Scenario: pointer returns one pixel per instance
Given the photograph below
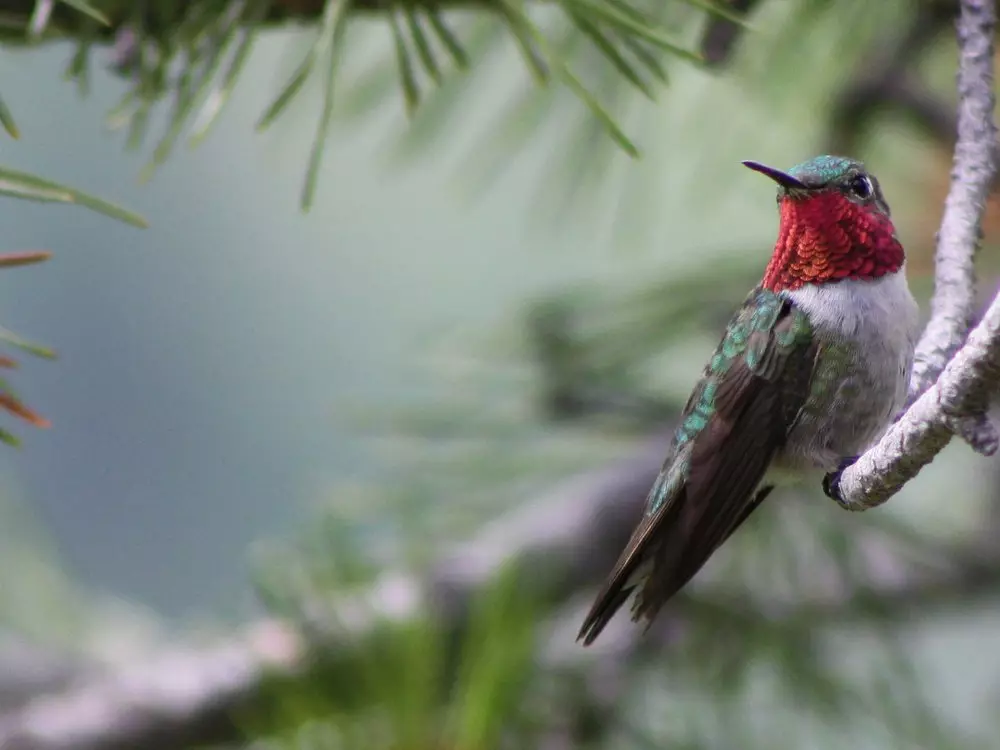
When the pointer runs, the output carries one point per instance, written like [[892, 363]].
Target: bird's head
[[834, 225]]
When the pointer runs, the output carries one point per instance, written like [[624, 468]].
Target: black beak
[[782, 178]]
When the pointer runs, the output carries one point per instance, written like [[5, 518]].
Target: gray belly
[[866, 331], [850, 405]]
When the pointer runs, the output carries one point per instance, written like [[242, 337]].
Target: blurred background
[[256, 408]]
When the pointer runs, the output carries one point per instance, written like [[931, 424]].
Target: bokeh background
[[482, 302]]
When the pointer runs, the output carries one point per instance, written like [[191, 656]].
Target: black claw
[[831, 482]]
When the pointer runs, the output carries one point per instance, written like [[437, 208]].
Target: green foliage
[[611, 56], [194, 53], [410, 684], [9, 400], [43, 9], [26, 186], [21, 185], [29, 187]]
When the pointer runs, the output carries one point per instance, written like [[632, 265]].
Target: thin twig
[[953, 304], [956, 404]]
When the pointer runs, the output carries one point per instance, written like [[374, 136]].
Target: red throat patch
[[826, 237]]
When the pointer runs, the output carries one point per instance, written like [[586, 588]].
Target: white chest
[[874, 326], [880, 315]]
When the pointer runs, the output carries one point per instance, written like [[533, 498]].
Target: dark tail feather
[[680, 553], [620, 584], [607, 604]]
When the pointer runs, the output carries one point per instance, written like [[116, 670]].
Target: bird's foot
[[831, 482]]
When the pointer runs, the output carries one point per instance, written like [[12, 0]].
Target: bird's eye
[[861, 186]]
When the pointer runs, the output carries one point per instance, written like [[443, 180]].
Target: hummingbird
[[810, 372]]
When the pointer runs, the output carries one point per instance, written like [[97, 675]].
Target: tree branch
[[956, 404], [28, 669], [953, 304], [158, 17]]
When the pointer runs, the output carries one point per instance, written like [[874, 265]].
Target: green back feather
[[742, 342]]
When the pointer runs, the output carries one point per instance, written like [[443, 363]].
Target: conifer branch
[[963, 376], [190, 54]]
